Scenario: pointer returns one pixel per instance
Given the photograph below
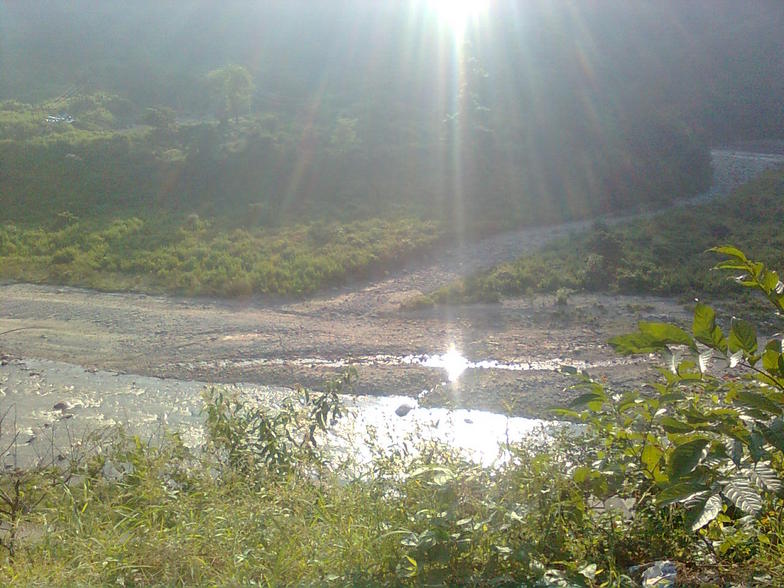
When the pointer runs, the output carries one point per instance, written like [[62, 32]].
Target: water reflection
[[65, 401], [452, 361], [478, 435]]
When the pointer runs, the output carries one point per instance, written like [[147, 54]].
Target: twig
[[21, 329]]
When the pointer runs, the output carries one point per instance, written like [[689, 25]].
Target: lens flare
[[456, 14], [453, 362]]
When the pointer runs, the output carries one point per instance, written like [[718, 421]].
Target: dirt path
[[306, 341]]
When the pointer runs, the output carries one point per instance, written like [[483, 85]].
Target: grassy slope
[[93, 205], [662, 255]]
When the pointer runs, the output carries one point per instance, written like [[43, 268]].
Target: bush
[[708, 449]]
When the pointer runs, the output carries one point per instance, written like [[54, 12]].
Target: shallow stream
[[52, 404]]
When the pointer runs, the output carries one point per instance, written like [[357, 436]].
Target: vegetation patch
[[665, 254], [192, 256]]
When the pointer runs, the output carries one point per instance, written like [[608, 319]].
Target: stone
[[403, 410], [661, 574]]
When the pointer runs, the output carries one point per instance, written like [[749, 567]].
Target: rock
[[112, 471], [623, 506], [661, 574], [64, 406], [403, 410]]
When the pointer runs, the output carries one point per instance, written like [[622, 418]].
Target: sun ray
[[456, 15]]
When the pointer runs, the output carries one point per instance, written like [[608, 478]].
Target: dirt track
[[283, 343]]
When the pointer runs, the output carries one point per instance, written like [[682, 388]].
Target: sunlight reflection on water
[[478, 435], [372, 425], [452, 361]]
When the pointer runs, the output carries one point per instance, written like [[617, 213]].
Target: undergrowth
[[662, 255], [188, 255]]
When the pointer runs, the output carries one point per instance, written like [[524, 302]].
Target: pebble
[[403, 410]]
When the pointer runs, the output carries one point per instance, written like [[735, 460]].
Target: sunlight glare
[[454, 363], [456, 14]]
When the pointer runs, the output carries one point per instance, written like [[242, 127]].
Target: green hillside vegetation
[[196, 258], [369, 116], [664, 254], [520, 125], [122, 199]]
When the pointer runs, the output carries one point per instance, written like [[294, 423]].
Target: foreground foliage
[[709, 438]]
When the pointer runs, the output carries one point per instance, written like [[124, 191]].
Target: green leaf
[[772, 358], [581, 474], [565, 413], [593, 400], [757, 445], [758, 402], [650, 457], [742, 494], [743, 335], [774, 433], [679, 492], [705, 329], [688, 370], [695, 416], [730, 251], [686, 457], [735, 450], [770, 281], [635, 343], [765, 477], [707, 511], [672, 425], [665, 333]]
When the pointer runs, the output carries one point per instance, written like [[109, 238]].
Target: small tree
[[231, 88]]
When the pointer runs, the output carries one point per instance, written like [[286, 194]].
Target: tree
[[232, 88]]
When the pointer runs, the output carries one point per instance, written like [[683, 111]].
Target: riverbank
[[217, 342]]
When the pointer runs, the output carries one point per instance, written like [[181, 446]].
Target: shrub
[[707, 448]]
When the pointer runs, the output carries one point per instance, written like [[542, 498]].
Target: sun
[[457, 14]]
